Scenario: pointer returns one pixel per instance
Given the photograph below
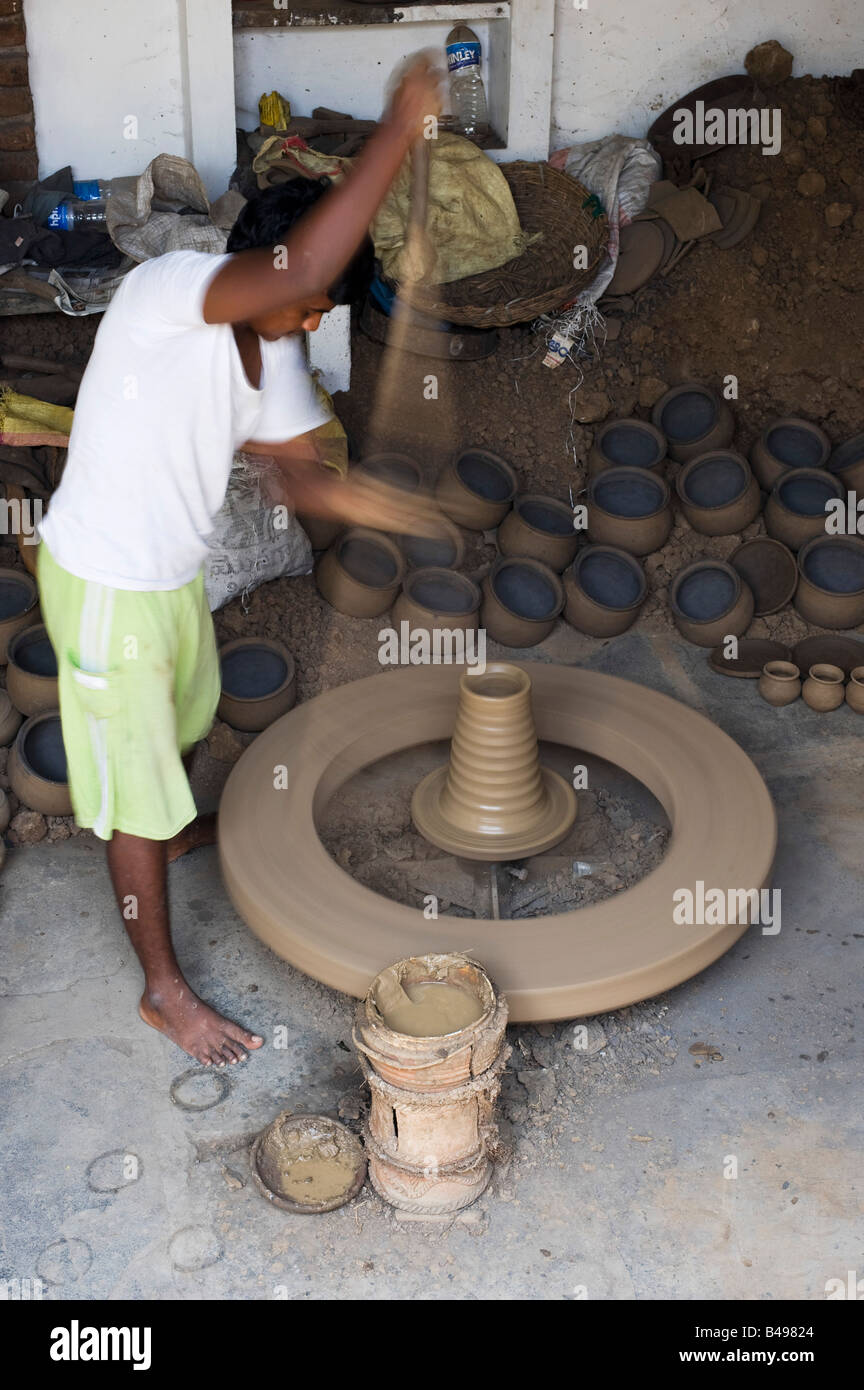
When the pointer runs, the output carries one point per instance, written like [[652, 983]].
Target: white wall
[[619, 63]]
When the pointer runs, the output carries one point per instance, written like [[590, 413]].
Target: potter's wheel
[[600, 957]]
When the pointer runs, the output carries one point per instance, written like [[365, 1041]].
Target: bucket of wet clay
[[710, 601], [605, 589], [788, 443], [522, 600], [718, 493], [361, 573], [37, 766], [307, 1164], [830, 589], [539, 528], [31, 677], [437, 599], [795, 513], [627, 443], [19, 606], [259, 682], [476, 489], [630, 509], [694, 419]]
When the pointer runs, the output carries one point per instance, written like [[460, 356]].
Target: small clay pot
[[259, 682], [521, 601], [605, 588], [396, 470], [823, 688], [540, 528], [445, 551], [476, 489], [10, 719], [630, 509], [19, 606], [31, 676], [628, 443], [780, 683], [37, 766], [847, 464], [855, 690], [718, 493], [361, 573], [437, 599], [830, 589], [788, 443], [694, 419], [709, 602], [795, 511], [770, 569]]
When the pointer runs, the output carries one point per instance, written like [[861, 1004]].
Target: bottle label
[[87, 191], [59, 218], [462, 55]]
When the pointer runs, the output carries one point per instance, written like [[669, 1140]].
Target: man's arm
[[323, 242]]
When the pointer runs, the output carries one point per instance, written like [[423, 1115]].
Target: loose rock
[[811, 184], [838, 213], [223, 744], [27, 828], [769, 63]]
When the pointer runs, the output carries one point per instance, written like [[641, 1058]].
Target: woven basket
[[543, 277]]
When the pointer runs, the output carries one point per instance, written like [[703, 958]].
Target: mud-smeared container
[[788, 443], [522, 600], [259, 682], [476, 489], [31, 676], [709, 602], [795, 513], [627, 443], [830, 589], [361, 573], [307, 1164], [630, 509], [37, 766], [694, 419], [19, 606], [437, 600], [539, 528], [605, 589], [718, 493]]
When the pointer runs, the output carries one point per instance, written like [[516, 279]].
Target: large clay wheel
[[310, 912]]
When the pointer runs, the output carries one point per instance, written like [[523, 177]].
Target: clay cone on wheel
[[494, 800]]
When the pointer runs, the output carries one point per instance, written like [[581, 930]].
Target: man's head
[[265, 221]]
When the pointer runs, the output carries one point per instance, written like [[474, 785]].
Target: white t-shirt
[[163, 406]]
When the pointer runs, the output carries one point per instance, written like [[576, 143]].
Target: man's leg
[[138, 873], [200, 831]]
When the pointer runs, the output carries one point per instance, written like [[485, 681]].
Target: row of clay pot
[[780, 684]]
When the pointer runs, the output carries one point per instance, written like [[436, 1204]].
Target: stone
[[769, 63], [223, 744], [759, 256], [592, 406], [817, 128], [794, 155], [27, 828], [642, 335], [651, 388], [858, 221], [838, 213], [811, 184], [58, 828]]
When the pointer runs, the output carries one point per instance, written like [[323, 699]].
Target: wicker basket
[[543, 277]]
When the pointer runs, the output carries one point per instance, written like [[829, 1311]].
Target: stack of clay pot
[[431, 1133]]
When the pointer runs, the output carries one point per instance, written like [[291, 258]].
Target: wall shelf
[[250, 14]]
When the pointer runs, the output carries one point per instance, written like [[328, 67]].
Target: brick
[[12, 31], [17, 134], [13, 69], [18, 167], [15, 101]]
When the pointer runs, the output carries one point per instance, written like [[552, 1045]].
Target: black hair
[[268, 215]]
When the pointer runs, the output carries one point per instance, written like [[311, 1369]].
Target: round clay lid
[[845, 652], [753, 653], [770, 568], [307, 1164]]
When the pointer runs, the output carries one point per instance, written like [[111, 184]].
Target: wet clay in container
[[431, 1009]]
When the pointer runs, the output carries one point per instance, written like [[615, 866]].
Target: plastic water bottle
[[78, 213], [467, 93]]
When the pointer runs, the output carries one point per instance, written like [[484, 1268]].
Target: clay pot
[[718, 493], [627, 443], [780, 683], [795, 511], [788, 443], [396, 470], [521, 602], [830, 589], [855, 690], [259, 682], [540, 528], [630, 509], [361, 573], [31, 676], [847, 464], [321, 533], [437, 598], [476, 489], [695, 420], [37, 766], [19, 606], [823, 689], [605, 588], [445, 551], [493, 801], [10, 719], [770, 569], [709, 602], [430, 1190], [5, 817]]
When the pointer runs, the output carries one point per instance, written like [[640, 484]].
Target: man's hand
[[417, 97]]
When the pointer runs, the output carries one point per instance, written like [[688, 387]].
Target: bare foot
[[201, 831], [193, 1025]]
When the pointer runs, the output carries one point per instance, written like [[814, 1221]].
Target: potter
[[438, 646], [714, 907], [742, 126]]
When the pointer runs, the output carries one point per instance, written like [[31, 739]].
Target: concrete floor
[[615, 1188]]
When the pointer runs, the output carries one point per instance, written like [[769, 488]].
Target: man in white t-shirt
[[196, 356]]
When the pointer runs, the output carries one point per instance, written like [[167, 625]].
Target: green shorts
[[139, 685]]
